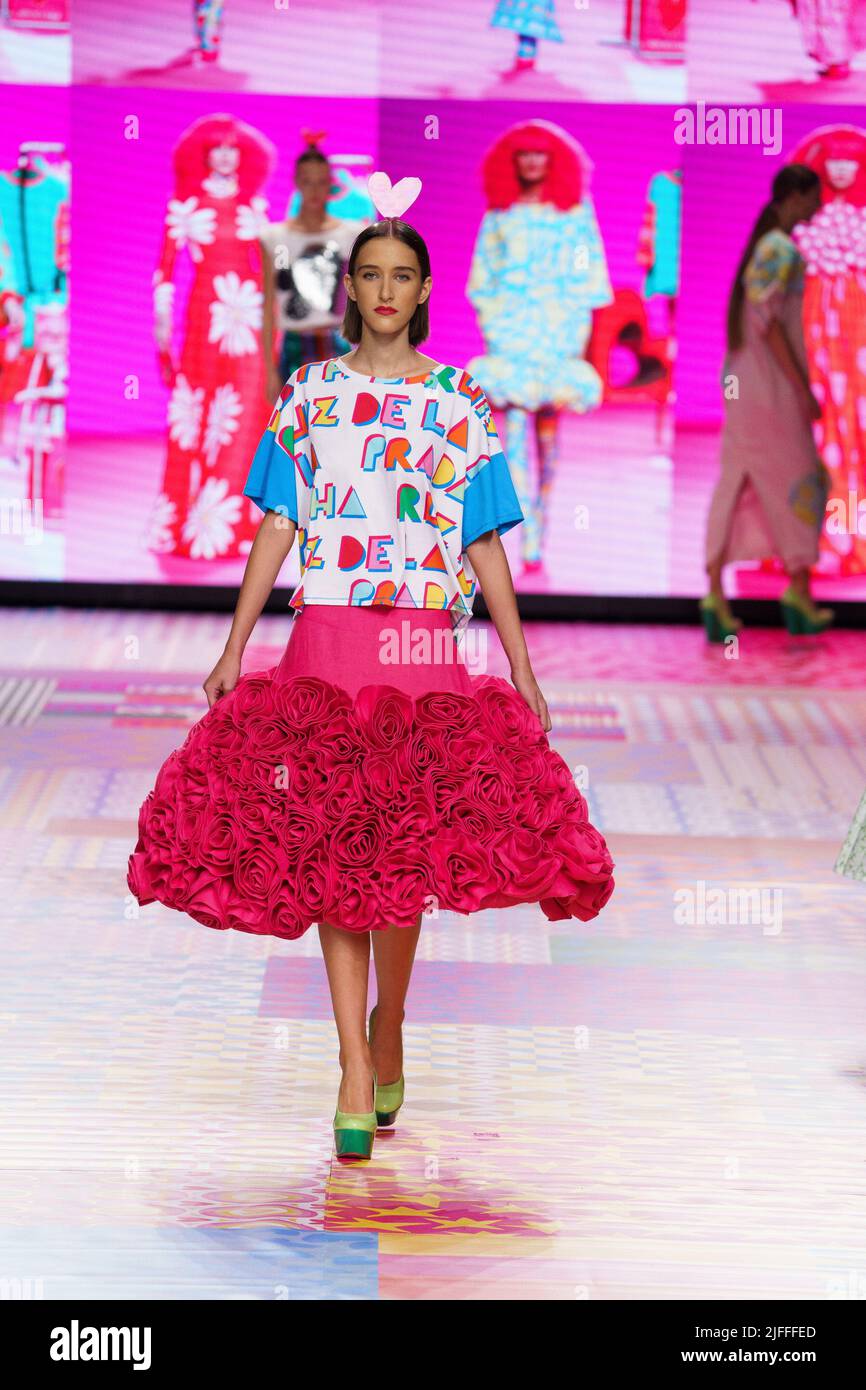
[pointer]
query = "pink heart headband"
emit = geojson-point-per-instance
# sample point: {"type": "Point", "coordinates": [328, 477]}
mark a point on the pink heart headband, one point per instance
{"type": "Point", "coordinates": [392, 200]}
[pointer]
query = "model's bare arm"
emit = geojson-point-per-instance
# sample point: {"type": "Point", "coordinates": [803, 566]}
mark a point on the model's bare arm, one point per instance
{"type": "Point", "coordinates": [272, 544]}
{"type": "Point", "coordinates": [488, 560]}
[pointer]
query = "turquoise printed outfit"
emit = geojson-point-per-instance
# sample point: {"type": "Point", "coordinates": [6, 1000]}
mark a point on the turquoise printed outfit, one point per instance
{"type": "Point", "coordinates": [665, 195]}
{"type": "Point", "coordinates": [207, 22]}
{"type": "Point", "coordinates": [533, 18]}
{"type": "Point", "coordinates": [8, 283]}
{"type": "Point", "coordinates": [28, 214]}
{"type": "Point", "coordinates": [537, 273]}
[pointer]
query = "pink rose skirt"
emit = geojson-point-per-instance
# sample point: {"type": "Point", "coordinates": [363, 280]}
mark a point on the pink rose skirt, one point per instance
{"type": "Point", "coordinates": [340, 787]}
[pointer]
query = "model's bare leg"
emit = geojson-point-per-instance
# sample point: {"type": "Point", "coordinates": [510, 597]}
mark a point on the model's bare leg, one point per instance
{"type": "Point", "coordinates": [800, 581]}
{"type": "Point", "coordinates": [714, 574]}
{"type": "Point", "coordinates": [547, 441]}
{"type": "Point", "coordinates": [347, 961]}
{"type": "Point", "coordinates": [517, 451]}
{"type": "Point", "coordinates": [394, 955]}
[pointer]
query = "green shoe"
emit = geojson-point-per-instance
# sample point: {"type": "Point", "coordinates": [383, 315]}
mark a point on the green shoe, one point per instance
{"type": "Point", "coordinates": [354, 1134]}
{"type": "Point", "coordinates": [719, 622]}
{"type": "Point", "coordinates": [388, 1098]}
{"type": "Point", "coordinates": [802, 618]}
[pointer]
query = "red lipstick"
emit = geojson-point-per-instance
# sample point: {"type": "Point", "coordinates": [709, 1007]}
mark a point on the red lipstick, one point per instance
{"type": "Point", "coordinates": [383, 309]}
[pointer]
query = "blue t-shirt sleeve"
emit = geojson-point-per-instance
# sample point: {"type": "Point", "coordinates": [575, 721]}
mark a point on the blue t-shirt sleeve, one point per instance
{"type": "Point", "coordinates": [271, 481]}
{"type": "Point", "coordinates": [489, 500]}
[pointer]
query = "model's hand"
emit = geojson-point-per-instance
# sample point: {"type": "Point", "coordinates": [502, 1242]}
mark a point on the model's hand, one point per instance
{"type": "Point", "coordinates": [526, 685]}
{"type": "Point", "coordinates": [223, 678]}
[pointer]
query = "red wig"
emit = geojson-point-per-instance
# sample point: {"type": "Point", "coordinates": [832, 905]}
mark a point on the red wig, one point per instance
{"type": "Point", "coordinates": [257, 154]}
{"type": "Point", "coordinates": [835, 142]}
{"type": "Point", "coordinates": [569, 168]}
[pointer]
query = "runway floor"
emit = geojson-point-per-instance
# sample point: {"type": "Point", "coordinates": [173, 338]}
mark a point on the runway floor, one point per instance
{"type": "Point", "coordinates": [636, 1108]}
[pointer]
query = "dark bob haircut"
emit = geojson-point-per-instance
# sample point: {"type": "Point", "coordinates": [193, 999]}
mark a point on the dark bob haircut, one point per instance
{"type": "Point", "coordinates": [419, 324]}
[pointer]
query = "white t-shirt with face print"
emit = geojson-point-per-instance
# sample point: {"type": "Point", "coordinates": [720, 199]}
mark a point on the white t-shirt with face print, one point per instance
{"type": "Point", "coordinates": [307, 269]}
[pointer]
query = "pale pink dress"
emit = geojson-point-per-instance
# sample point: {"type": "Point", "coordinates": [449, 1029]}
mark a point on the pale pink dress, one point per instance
{"type": "Point", "coordinates": [771, 496]}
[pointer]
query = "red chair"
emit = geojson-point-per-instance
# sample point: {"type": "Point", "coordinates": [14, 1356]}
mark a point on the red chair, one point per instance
{"type": "Point", "coordinates": [623, 324]}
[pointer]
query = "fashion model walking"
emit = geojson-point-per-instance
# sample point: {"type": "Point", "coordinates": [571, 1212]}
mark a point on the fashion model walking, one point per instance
{"type": "Point", "coordinates": [771, 495]}
{"type": "Point", "coordinates": [369, 778]}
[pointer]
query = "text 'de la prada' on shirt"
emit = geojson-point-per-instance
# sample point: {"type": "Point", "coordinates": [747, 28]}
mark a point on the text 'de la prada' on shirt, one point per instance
{"type": "Point", "coordinates": [388, 480]}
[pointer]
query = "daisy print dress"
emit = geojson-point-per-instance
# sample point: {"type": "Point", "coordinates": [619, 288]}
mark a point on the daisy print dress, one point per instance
{"type": "Point", "coordinates": [369, 778]}
{"type": "Point", "coordinates": [217, 400]}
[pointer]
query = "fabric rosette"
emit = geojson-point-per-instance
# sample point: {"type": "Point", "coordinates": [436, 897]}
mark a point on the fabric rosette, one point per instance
{"type": "Point", "coordinates": [289, 803]}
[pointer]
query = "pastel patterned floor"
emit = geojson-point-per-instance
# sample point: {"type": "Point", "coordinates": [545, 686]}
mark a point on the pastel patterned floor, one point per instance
{"type": "Point", "coordinates": [665, 1103]}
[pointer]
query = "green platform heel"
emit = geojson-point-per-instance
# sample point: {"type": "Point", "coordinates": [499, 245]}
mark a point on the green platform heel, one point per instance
{"type": "Point", "coordinates": [354, 1134]}
{"type": "Point", "coordinates": [802, 618]}
{"type": "Point", "coordinates": [388, 1098]}
{"type": "Point", "coordinates": [719, 622]}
